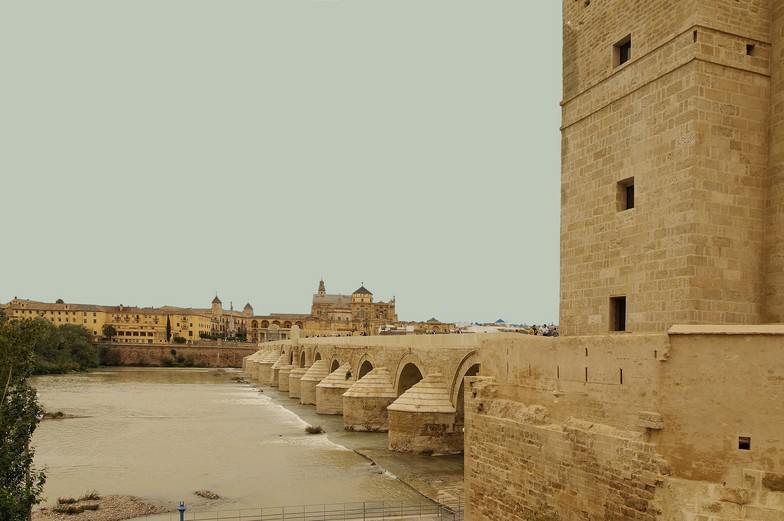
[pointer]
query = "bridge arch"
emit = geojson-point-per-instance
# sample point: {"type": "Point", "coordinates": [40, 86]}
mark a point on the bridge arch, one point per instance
{"type": "Point", "coordinates": [302, 358]}
{"type": "Point", "coordinates": [334, 365]}
{"type": "Point", "coordinates": [469, 366]}
{"type": "Point", "coordinates": [365, 366]}
{"type": "Point", "coordinates": [317, 356]}
{"type": "Point", "coordinates": [409, 373]}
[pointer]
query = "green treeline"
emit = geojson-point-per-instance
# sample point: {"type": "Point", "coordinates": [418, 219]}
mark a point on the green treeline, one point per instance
{"type": "Point", "coordinates": [58, 349]}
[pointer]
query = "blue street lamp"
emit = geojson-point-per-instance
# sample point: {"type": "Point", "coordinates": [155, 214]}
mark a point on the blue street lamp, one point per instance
{"type": "Point", "coordinates": [181, 509]}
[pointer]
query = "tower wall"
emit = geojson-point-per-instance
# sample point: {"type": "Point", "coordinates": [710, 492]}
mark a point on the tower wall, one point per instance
{"type": "Point", "coordinates": [685, 123]}
{"type": "Point", "coordinates": [774, 223]}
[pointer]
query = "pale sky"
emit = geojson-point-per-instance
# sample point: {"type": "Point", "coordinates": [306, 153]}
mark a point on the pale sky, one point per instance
{"type": "Point", "coordinates": [158, 152]}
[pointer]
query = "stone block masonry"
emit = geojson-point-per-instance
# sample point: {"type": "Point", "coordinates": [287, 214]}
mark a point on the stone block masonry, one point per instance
{"type": "Point", "coordinates": [521, 464]}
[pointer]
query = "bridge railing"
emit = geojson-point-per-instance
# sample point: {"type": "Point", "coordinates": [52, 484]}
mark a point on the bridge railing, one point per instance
{"type": "Point", "coordinates": [366, 511]}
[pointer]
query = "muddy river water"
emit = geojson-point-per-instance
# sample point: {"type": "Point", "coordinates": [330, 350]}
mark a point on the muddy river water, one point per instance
{"type": "Point", "coordinates": [163, 434]}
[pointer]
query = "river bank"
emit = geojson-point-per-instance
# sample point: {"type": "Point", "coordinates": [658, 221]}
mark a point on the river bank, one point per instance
{"type": "Point", "coordinates": [162, 433]}
{"type": "Point", "coordinates": [439, 478]}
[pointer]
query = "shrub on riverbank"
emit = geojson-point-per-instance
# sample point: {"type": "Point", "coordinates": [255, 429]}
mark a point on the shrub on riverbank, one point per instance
{"type": "Point", "coordinates": [311, 429]}
{"type": "Point", "coordinates": [59, 349]}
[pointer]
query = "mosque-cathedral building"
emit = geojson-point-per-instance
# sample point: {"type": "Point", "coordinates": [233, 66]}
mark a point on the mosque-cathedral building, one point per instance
{"type": "Point", "coordinates": [330, 315]}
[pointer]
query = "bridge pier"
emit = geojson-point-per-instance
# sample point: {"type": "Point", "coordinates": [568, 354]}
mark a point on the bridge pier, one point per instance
{"type": "Point", "coordinates": [365, 403]}
{"type": "Point", "coordinates": [283, 378]}
{"type": "Point", "coordinates": [282, 360]}
{"type": "Point", "coordinates": [317, 372]}
{"type": "Point", "coordinates": [329, 392]}
{"type": "Point", "coordinates": [295, 377]}
{"type": "Point", "coordinates": [265, 367]}
{"type": "Point", "coordinates": [423, 420]}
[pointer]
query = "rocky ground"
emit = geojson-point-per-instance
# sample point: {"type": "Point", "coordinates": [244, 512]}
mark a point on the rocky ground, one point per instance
{"type": "Point", "coordinates": [110, 508]}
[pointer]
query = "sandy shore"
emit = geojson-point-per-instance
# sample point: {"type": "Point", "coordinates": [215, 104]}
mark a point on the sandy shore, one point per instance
{"type": "Point", "coordinates": [110, 508]}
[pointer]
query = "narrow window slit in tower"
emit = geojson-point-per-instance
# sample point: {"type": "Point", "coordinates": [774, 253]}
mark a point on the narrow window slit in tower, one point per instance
{"type": "Point", "coordinates": [750, 48]}
{"type": "Point", "coordinates": [625, 194]}
{"type": "Point", "coordinates": [618, 313]}
{"type": "Point", "coordinates": [622, 51]}
{"type": "Point", "coordinates": [656, 353]}
{"type": "Point", "coordinates": [620, 373]}
{"type": "Point", "coordinates": [586, 351]}
{"type": "Point", "coordinates": [694, 35]}
{"type": "Point", "coordinates": [558, 371]}
{"type": "Point", "coordinates": [529, 369]}
{"type": "Point", "coordinates": [586, 374]}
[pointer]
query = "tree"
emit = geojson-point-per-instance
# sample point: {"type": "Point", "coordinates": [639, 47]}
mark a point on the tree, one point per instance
{"type": "Point", "coordinates": [109, 331]}
{"type": "Point", "coordinates": [21, 485]}
{"type": "Point", "coordinates": [168, 329]}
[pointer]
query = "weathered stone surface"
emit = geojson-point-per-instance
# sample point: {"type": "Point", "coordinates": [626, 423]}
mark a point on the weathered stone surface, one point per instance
{"type": "Point", "coordinates": [650, 420]}
{"type": "Point", "coordinates": [773, 481]}
{"type": "Point", "coordinates": [282, 361]}
{"type": "Point", "coordinates": [329, 392]}
{"type": "Point", "coordinates": [423, 420]}
{"type": "Point", "coordinates": [738, 496]}
{"type": "Point", "coordinates": [283, 378]}
{"type": "Point", "coordinates": [294, 381]}
{"type": "Point", "coordinates": [265, 367]}
{"type": "Point", "coordinates": [315, 373]}
{"type": "Point", "coordinates": [365, 403]}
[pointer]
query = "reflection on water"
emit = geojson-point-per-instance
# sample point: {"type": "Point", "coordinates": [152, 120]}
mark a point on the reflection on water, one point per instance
{"type": "Point", "coordinates": [164, 433]}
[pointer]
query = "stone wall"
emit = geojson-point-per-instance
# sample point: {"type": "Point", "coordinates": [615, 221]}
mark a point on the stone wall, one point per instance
{"type": "Point", "coordinates": [691, 432]}
{"type": "Point", "coordinates": [158, 355]}
{"type": "Point", "coordinates": [521, 463]}
{"type": "Point", "coordinates": [718, 385]}
{"type": "Point", "coordinates": [609, 380]}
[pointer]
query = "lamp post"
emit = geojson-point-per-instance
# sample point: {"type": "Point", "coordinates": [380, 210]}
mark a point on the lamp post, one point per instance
{"type": "Point", "coordinates": [181, 509]}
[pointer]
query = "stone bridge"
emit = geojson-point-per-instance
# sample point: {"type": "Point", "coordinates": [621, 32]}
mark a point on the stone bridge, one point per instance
{"type": "Point", "coordinates": [408, 386]}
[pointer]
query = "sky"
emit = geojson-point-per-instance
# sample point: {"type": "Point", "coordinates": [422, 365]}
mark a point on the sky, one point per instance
{"type": "Point", "coordinates": [162, 152]}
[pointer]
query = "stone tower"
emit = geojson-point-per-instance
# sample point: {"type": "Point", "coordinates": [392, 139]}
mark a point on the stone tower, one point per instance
{"type": "Point", "coordinates": [671, 190]}
{"type": "Point", "coordinates": [322, 290]}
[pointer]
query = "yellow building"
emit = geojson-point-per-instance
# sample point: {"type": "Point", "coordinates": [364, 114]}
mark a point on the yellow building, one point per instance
{"type": "Point", "coordinates": [330, 315]}
{"type": "Point", "coordinates": [135, 325]}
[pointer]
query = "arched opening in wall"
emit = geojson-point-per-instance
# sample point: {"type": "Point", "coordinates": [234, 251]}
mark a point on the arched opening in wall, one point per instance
{"type": "Point", "coordinates": [317, 358]}
{"type": "Point", "coordinates": [409, 377]}
{"type": "Point", "coordinates": [287, 324]}
{"type": "Point", "coordinates": [460, 405]}
{"type": "Point", "coordinates": [302, 359]}
{"type": "Point", "coordinates": [335, 365]}
{"type": "Point", "coordinates": [364, 369]}
{"type": "Point", "coordinates": [276, 323]}
{"type": "Point", "coordinates": [254, 324]}
{"type": "Point", "coordinates": [299, 324]}
{"type": "Point", "coordinates": [265, 324]}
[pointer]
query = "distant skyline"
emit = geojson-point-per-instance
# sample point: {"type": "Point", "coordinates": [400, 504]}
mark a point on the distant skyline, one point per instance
{"type": "Point", "coordinates": [160, 153]}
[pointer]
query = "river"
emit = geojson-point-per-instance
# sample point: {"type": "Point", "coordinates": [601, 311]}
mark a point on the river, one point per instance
{"type": "Point", "coordinates": [163, 434]}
